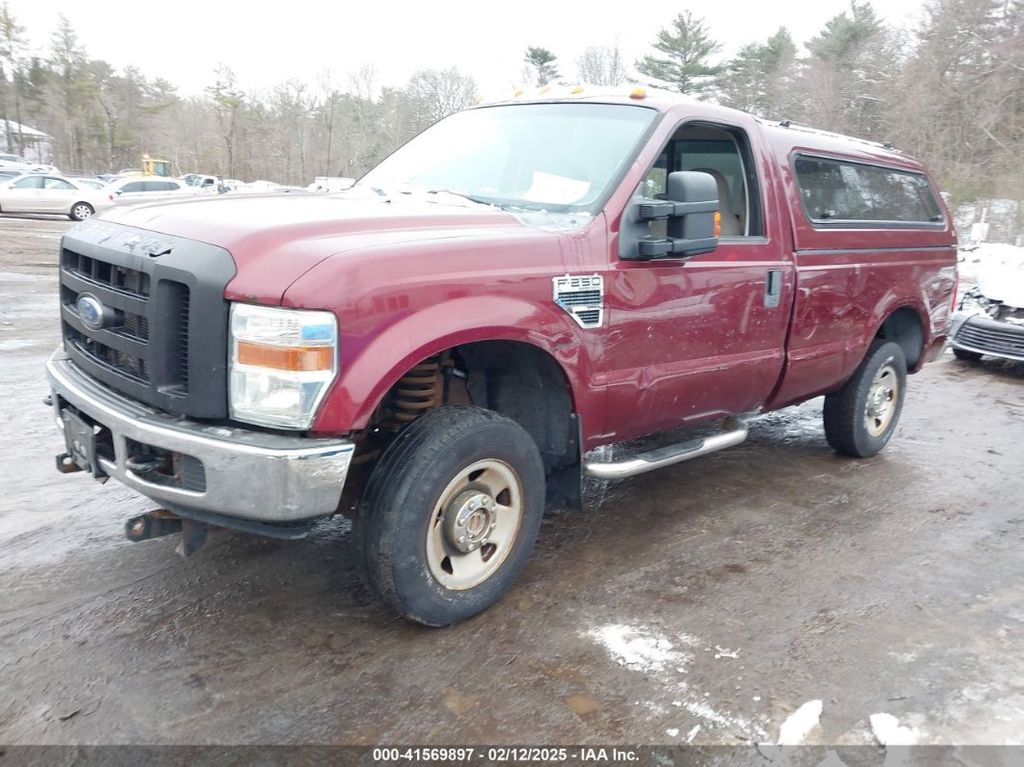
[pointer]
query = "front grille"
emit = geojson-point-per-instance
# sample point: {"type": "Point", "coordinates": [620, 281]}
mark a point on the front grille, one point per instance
{"type": "Point", "coordinates": [124, 346]}
{"type": "Point", "coordinates": [164, 315]}
{"type": "Point", "coordinates": [124, 363]}
{"type": "Point", "coordinates": [131, 281]}
{"type": "Point", "coordinates": [993, 337]}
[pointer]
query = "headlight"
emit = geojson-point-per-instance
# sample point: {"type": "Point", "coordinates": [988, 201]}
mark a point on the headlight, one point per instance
{"type": "Point", "coordinates": [282, 362]}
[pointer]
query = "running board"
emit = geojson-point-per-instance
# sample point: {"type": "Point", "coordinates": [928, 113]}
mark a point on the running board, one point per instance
{"type": "Point", "coordinates": [734, 433]}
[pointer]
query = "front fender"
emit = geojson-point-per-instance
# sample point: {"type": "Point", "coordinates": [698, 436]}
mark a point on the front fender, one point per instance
{"type": "Point", "coordinates": [376, 363]}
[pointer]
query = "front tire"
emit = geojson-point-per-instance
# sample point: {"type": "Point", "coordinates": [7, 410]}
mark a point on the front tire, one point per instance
{"type": "Point", "coordinates": [81, 211]}
{"type": "Point", "coordinates": [450, 514]}
{"type": "Point", "coordinates": [861, 416]}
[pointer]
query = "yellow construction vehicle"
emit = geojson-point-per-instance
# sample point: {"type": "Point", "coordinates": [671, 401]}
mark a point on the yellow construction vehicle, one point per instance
{"type": "Point", "coordinates": [154, 167]}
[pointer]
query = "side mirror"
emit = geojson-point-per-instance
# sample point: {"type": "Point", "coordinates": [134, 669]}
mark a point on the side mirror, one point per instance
{"type": "Point", "coordinates": [690, 211]}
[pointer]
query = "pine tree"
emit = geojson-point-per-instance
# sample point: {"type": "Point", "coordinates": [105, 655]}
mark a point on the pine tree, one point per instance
{"type": "Point", "coordinates": [685, 66]}
{"type": "Point", "coordinates": [761, 78]}
{"type": "Point", "coordinates": [543, 63]}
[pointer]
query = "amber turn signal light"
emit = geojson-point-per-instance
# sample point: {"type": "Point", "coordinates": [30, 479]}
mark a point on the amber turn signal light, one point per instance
{"type": "Point", "coordinates": [296, 358]}
{"type": "Point", "coordinates": [718, 223]}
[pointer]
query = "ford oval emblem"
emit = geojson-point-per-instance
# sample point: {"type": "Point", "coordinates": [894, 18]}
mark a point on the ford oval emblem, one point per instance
{"type": "Point", "coordinates": [90, 311]}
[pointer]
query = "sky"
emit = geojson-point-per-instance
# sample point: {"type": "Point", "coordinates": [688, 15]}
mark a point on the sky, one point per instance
{"type": "Point", "coordinates": [267, 43]}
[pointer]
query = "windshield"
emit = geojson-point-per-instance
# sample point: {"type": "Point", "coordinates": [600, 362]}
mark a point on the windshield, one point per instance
{"type": "Point", "coordinates": [560, 157]}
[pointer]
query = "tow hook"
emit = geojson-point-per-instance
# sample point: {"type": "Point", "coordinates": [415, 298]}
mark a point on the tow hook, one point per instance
{"type": "Point", "coordinates": [66, 464]}
{"type": "Point", "coordinates": [159, 522]}
{"type": "Point", "coordinates": [152, 524]}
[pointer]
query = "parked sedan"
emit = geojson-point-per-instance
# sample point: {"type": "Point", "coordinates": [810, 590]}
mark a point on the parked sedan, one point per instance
{"type": "Point", "coordinates": [990, 316]}
{"type": "Point", "coordinates": [38, 193]}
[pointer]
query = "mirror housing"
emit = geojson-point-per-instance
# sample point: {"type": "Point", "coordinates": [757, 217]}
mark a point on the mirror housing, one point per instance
{"type": "Point", "coordinates": [690, 214]}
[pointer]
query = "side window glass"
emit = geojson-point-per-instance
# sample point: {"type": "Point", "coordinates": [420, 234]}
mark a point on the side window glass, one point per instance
{"type": "Point", "coordinates": [835, 191]}
{"type": "Point", "coordinates": [57, 183]}
{"type": "Point", "coordinates": [721, 159]}
{"type": "Point", "coordinates": [655, 181]}
{"type": "Point", "coordinates": [28, 183]}
{"type": "Point", "coordinates": [723, 152]}
{"type": "Point", "coordinates": [134, 186]}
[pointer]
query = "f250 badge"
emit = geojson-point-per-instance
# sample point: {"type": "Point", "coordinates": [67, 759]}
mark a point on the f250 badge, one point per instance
{"type": "Point", "coordinates": [582, 296]}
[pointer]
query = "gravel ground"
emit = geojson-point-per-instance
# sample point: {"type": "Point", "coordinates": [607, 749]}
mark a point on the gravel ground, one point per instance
{"type": "Point", "coordinates": [704, 602]}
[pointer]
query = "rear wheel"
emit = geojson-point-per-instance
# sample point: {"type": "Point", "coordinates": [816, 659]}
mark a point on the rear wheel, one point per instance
{"type": "Point", "coordinates": [966, 356]}
{"type": "Point", "coordinates": [81, 211]}
{"type": "Point", "coordinates": [862, 415]}
{"type": "Point", "coordinates": [450, 514]}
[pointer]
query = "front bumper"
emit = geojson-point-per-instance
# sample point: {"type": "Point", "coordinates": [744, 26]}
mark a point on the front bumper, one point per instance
{"type": "Point", "coordinates": [977, 332]}
{"type": "Point", "coordinates": [240, 473]}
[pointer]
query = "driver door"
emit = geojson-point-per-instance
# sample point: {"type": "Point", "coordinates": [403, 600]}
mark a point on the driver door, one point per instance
{"type": "Point", "coordinates": [693, 339]}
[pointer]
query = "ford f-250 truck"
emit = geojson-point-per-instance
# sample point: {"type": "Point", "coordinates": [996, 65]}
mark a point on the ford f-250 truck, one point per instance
{"type": "Point", "coordinates": [518, 285]}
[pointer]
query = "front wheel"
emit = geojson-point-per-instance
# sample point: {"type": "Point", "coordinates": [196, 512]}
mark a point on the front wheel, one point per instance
{"type": "Point", "coordinates": [81, 211]}
{"type": "Point", "coordinates": [862, 415]}
{"type": "Point", "coordinates": [450, 514]}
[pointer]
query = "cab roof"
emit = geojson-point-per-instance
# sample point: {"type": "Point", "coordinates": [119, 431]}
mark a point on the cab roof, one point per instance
{"type": "Point", "coordinates": [784, 136]}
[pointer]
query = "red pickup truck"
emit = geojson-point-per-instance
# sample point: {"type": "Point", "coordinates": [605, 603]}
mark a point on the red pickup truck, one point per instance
{"type": "Point", "coordinates": [448, 340]}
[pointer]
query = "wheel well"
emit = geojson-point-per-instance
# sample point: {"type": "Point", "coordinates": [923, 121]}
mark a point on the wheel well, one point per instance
{"type": "Point", "coordinates": [905, 328]}
{"type": "Point", "coordinates": [518, 380]}
{"type": "Point", "coordinates": [526, 384]}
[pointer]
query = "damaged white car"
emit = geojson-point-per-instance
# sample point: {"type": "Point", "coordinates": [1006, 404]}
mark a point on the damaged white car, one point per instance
{"type": "Point", "coordinates": [989, 319]}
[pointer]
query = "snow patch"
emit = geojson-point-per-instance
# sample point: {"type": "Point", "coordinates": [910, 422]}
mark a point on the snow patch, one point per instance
{"type": "Point", "coordinates": [799, 724]}
{"type": "Point", "coordinates": [888, 732]}
{"type": "Point", "coordinates": [641, 649]}
{"type": "Point", "coordinates": [703, 711]}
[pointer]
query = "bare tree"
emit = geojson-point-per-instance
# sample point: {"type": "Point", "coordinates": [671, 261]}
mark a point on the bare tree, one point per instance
{"type": "Point", "coordinates": [601, 65]}
{"type": "Point", "coordinates": [436, 93]}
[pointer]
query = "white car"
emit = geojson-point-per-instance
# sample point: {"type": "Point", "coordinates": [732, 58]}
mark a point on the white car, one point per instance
{"type": "Point", "coordinates": [989, 318]}
{"type": "Point", "coordinates": [41, 193]}
{"type": "Point", "coordinates": [133, 189]}
{"type": "Point", "coordinates": [17, 162]}
{"type": "Point", "coordinates": [92, 183]}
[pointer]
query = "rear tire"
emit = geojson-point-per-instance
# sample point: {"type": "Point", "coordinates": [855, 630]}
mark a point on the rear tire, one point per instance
{"type": "Point", "coordinates": [450, 514]}
{"type": "Point", "coordinates": [966, 356]}
{"type": "Point", "coordinates": [81, 211]}
{"type": "Point", "coordinates": [862, 415]}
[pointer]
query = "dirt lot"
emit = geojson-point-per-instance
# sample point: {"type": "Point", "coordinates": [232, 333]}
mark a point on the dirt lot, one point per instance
{"type": "Point", "coordinates": [704, 602]}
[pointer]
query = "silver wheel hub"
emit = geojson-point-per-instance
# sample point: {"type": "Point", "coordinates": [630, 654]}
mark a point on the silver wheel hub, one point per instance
{"type": "Point", "coordinates": [474, 524]}
{"type": "Point", "coordinates": [468, 520]}
{"type": "Point", "coordinates": [881, 401]}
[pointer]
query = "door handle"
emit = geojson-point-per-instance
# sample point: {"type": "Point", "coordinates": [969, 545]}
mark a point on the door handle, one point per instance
{"type": "Point", "coordinates": [772, 288]}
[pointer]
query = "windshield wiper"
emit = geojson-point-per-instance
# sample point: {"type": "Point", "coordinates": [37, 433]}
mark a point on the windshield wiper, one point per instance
{"type": "Point", "coordinates": [472, 198]}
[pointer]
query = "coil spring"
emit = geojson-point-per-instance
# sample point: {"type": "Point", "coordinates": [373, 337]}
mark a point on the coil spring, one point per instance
{"type": "Point", "coordinates": [417, 391]}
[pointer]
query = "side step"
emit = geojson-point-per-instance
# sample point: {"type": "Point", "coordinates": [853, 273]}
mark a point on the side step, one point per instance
{"type": "Point", "coordinates": [733, 433]}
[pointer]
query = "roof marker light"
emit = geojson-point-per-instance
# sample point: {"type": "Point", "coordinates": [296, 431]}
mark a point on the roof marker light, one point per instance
{"type": "Point", "coordinates": [638, 93]}
{"type": "Point", "coordinates": [576, 89]}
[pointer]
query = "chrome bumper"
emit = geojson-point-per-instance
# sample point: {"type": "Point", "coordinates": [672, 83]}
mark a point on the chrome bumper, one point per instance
{"type": "Point", "coordinates": [248, 474]}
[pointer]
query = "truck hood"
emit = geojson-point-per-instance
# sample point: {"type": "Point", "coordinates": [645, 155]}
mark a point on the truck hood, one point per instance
{"type": "Point", "coordinates": [275, 239]}
{"type": "Point", "coordinates": [1001, 275]}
